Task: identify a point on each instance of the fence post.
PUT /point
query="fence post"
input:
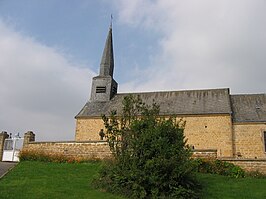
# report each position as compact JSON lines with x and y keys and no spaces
{"x":3,"y":136}
{"x":28,"y":137}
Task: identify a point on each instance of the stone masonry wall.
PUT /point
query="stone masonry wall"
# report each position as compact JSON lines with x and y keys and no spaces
{"x":250,"y":164}
{"x":203,"y":132}
{"x":100,"y":150}
{"x":249,"y":141}
{"x":210,"y":133}
{"x":3,"y":136}
{"x":88,"y":129}
{"x":84,"y":150}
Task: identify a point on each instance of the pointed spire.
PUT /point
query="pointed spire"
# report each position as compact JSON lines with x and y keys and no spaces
{"x":104,"y":87}
{"x":107,"y":62}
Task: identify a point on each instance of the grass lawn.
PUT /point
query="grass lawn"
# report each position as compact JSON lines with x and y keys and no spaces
{"x":54,"y":180}
{"x":51,"y":180}
{"x":222,"y":187}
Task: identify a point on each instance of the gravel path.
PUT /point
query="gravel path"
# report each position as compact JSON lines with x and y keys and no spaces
{"x":5,"y":167}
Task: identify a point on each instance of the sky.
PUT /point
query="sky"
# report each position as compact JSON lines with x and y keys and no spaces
{"x":50,"y":50}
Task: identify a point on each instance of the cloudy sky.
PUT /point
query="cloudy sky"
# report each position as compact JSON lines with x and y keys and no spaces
{"x":50,"y":50}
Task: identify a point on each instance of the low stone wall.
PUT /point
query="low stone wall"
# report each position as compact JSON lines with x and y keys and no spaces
{"x":249,"y":164}
{"x":83,"y":150}
{"x":246,"y":164}
{"x":100,"y":150}
{"x":91,"y":149}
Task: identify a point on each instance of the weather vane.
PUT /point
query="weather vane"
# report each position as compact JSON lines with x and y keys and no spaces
{"x":111,"y":22}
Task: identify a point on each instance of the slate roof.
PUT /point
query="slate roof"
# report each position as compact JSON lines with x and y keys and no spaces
{"x":107,"y":62}
{"x":249,"y":108}
{"x":212,"y":101}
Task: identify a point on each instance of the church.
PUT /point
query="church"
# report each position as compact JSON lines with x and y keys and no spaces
{"x":234,"y":126}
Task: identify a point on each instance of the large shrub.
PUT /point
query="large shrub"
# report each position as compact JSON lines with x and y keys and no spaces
{"x":152,"y":159}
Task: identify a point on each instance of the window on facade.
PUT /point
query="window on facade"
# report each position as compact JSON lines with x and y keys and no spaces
{"x":264,"y":135}
{"x":100,"y":89}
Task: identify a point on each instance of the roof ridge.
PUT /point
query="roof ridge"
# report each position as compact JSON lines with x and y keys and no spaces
{"x":249,"y":94}
{"x":199,"y":90}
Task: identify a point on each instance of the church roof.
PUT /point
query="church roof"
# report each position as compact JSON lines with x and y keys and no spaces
{"x":243,"y":108}
{"x":249,"y":107}
{"x":187,"y":102}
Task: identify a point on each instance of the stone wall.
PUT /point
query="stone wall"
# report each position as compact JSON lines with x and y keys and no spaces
{"x":249,"y":140}
{"x":88,"y":129}
{"x":85,"y":150}
{"x":246,"y":164}
{"x":203,"y":132}
{"x":249,"y":164}
{"x":3,"y":136}
{"x":100,"y":150}
{"x":210,"y":132}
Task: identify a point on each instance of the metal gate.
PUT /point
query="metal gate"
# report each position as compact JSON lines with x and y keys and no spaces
{"x":12,"y":147}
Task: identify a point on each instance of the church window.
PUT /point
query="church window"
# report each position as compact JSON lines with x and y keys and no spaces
{"x":101,"y":89}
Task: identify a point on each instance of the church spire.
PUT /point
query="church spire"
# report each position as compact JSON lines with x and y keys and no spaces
{"x":104,"y":87}
{"x":107,"y":62}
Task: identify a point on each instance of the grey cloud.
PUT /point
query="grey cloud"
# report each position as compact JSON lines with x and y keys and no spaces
{"x":40,"y":89}
{"x":204,"y":44}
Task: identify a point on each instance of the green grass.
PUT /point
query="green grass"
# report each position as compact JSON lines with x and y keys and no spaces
{"x":60,"y":180}
{"x":223,"y":187}
{"x":51,"y":180}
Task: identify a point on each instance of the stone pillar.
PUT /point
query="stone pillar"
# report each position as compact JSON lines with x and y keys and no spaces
{"x":28,"y":137}
{"x":3,"y":136}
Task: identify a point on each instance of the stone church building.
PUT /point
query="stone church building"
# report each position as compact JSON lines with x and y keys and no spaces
{"x":232,"y":125}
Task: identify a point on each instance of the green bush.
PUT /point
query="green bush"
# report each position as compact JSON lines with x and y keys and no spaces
{"x":152,"y":159}
{"x":218,"y":167}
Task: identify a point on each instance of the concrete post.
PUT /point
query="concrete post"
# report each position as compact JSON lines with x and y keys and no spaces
{"x":3,"y":136}
{"x":28,"y":137}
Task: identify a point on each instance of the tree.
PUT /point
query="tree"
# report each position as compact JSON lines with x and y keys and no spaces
{"x":151,"y":158}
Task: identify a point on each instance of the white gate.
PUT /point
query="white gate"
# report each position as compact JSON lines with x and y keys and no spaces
{"x":12,"y":147}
